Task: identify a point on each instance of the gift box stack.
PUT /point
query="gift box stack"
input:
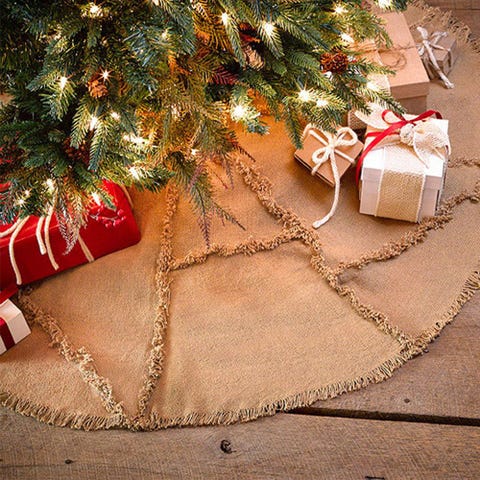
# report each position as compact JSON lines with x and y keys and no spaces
{"x":33,"y":248}
{"x":402,"y":169}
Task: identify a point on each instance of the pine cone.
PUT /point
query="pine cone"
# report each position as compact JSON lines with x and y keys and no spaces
{"x":80,"y":154}
{"x":96,"y":86}
{"x":334,"y":62}
{"x":10,"y":153}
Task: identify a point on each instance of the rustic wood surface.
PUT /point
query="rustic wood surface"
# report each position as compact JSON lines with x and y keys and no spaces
{"x":285,"y":447}
{"x":422,"y":424}
{"x":441,"y":386}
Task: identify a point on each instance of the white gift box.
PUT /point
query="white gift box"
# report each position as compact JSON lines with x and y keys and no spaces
{"x":380,"y":159}
{"x":13,"y":326}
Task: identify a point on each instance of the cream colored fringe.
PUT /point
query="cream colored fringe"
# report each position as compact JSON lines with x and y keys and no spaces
{"x":293,"y":229}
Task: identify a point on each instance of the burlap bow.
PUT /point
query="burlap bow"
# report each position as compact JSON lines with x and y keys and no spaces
{"x":426,"y":49}
{"x":424,"y":136}
{"x":345,"y":137}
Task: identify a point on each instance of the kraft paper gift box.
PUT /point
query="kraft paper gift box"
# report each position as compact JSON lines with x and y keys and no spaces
{"x":438,"y":51}
{"x":13,"y":326}
{"x":446,"y":58}
{"x":311,"y":144}
{"x":394,"y":183}
{"x":410,"y":85}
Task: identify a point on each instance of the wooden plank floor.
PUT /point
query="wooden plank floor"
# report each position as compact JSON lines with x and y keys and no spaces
{"x":424,"y":423}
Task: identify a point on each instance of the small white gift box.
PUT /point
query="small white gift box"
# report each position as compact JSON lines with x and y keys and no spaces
{"x":395,"y":182}
{"x":13,"y":326}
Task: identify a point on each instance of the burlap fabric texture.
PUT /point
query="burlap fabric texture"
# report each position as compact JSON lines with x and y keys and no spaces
{"x":271,"y":318}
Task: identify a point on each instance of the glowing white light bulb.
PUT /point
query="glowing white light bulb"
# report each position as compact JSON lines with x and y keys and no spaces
{"x":26,"y":193}
{"x":165,"y":35}
{"x":134,"y":173}
{"x":115,"y":115}
{"x":95,"y":10}
{"x":340,"y":9}
{"x":96,"y":198}
{"x":20,"y":201}
{"x":346,"y":38}
{"x":194,"y":152}
{"x":384,"y":3}
{"x":239,"y":112}
{"x":304,"y":95}
{"x":321,"y":102}
{"x":93,"y":122}
{"x":63,"y":82}
{"x":50,"y":185}
{"x":225,"y":18}
{"x":373,"y":86}
{"x":105,"y":74}
{"x":268,"y":28}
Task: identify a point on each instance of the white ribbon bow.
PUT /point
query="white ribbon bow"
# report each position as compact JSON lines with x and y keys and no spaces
{"x":345,"y":137}
{"x":43,"y":245}
{"x":426,"y":49}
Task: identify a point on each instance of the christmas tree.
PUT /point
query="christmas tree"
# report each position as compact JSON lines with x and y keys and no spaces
{"x":150,"y":92}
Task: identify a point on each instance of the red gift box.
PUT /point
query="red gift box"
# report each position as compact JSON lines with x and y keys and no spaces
{"x":36,"y":253}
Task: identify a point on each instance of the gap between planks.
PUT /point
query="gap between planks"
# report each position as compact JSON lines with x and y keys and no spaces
{"x":387,"y":416}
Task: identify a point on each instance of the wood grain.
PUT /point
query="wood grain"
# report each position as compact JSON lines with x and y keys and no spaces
{"x":442,"y":383}
{"x":284,"y":447}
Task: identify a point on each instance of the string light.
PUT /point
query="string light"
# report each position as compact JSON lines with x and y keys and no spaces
{"x":225,"y":18}
{"x":268,"y":28}
{"x":63,"y":82}
{"x":155,"y":2}
{"x":95,"y":10}
{"x":165,"y":35}
{"x":340,"y":9}
{"x":105,"y":74}
{"x":194,"y":152}
{"x":321,"y":102}
{"x":346,"y":38}
{"x":50,"y":185}
{"x":304,"y":95}
{"x":115,"y":115}
{"x":239,"y":112}
{"x":93,"y":122}
{"x":134,"y":173}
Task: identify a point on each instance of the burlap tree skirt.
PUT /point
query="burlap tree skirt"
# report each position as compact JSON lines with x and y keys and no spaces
{"x":272,"y":317}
